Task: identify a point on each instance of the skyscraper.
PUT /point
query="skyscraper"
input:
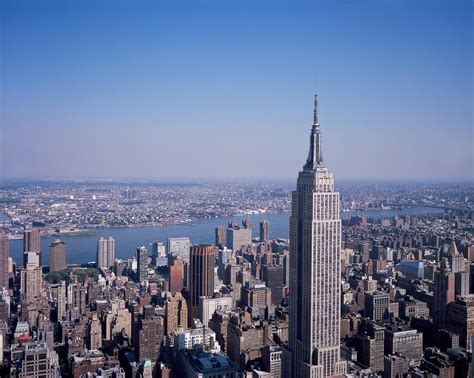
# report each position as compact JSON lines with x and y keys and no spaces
{"x":443,"y":293}
{"x":264,"y":231}
{"x":142,"y":263}
{"x":176,"y":270}
{"x":105,"y":252}
{"x":219,"y":237}
{"x":57,"y":256}
{"x":201,"y":275}
{"x":238,"y":236}
{"x":158,"y":254}
{"x":315,"y":243}
{"x":179,"y":247}
{"x":4,"y":261}
{"x":31,"y":243}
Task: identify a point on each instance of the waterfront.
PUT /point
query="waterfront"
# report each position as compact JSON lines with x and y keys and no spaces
{"x":82,"y":249}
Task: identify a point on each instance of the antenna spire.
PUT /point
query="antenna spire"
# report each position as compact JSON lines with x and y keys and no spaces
{"x":315,"y":155}
{"x":315,"y":111}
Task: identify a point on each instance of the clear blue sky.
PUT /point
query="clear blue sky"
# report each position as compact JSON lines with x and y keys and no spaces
{"x":224,"y":89}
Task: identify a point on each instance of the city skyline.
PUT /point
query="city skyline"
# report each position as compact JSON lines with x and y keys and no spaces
{"x":123,"y":95}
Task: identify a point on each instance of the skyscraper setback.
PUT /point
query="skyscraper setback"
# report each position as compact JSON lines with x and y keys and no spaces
{"x":315,"y":234}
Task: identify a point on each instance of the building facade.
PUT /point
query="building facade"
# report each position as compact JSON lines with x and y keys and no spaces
{"x":105,"y":252}
{"x":201,"y":275}
{"x":315,"y":269}
{"x":57,"y":256}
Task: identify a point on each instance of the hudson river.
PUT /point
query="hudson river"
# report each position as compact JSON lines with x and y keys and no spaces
{"x":82,"y":249}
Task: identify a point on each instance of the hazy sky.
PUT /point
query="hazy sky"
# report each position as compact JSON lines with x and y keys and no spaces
{"x":225,"y":89}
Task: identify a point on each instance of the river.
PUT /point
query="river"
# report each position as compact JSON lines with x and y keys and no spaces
{"x":82,"y":249}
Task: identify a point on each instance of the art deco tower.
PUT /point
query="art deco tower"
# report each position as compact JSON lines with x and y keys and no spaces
{"x":315,"y":240}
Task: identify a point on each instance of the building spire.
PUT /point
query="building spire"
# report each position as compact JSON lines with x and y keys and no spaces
{"x":315,"y":155}
{"x":315,"y":111}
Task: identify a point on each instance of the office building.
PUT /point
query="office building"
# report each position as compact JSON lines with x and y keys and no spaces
{"x":142,"y":263}
{"x":460,"y":320}
{"x":148,"y":334}
{"x":176,"y":314}
{"x":220,"y":237}
{"x":105,"y":252}
{"x":200,"y":335}
{"x":201,"y":275}
{"x":208,"y":305}
{"x":176,"y":274}
{"x":219,"y":324}
{"x":264,"y":231}
{"x":370,"y":345}
{"x":197,"y":363}
{"x":179,"y":247}
{"x":272,"y":275}
{"x":31,"y":243}
{"x":31,"y":282}
{"x":272,"y":360}
{"x":395,"y":366}
{"x":38,"y":361}
{"x":443,"y":293}
{"x":4,"y":276}
{"x":238,"y":236}
{"x":57,"y":256}
{"x":376,"y":305}
{"x":315,"y":268}
{"x":158,"y":255}
{"x":257,"y":295}
{"x":402,"y":340}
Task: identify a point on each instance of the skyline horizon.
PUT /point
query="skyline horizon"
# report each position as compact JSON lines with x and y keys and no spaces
{"x":242,"y":180}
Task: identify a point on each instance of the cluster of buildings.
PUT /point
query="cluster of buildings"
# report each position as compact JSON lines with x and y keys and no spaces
{"x":59,"y":207}
{"x":354,"y":298}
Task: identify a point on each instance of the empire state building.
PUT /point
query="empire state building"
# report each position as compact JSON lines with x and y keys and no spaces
{"x":315,"y":248}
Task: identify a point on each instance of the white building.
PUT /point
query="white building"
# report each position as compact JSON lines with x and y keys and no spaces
{"x":189,"y":338}
{"x":207,"y":306}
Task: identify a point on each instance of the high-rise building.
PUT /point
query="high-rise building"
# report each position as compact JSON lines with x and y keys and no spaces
{"x":315,"y":269}
{"x":376,"y":304}
{"x":201,"y":275}
{"x":370,"y":345}
{"x":207,"y":306}
{"x":142,"y":263}
{"x":179,"y":247}
{"x":4,"y":276}
{"x":148,"y":335}
{"x":273,"y":277}
{"x":400,"y":339}
{"x":158,"y":254}
{"x":264,"y":231}
{"x":94,"y":336}
{"x":31,"y":282}
{"x":31,"y":243}
{"x":176,"y":314}
{"x":219,"y":237}
{"x":176,"y":271}
{"x":238,"y":236}
{"x":460,"y":320}
{"x":105,"y":252}
{"x":443,"y":293}
{"x":38,"y":361}
{"x":57,"y":256}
